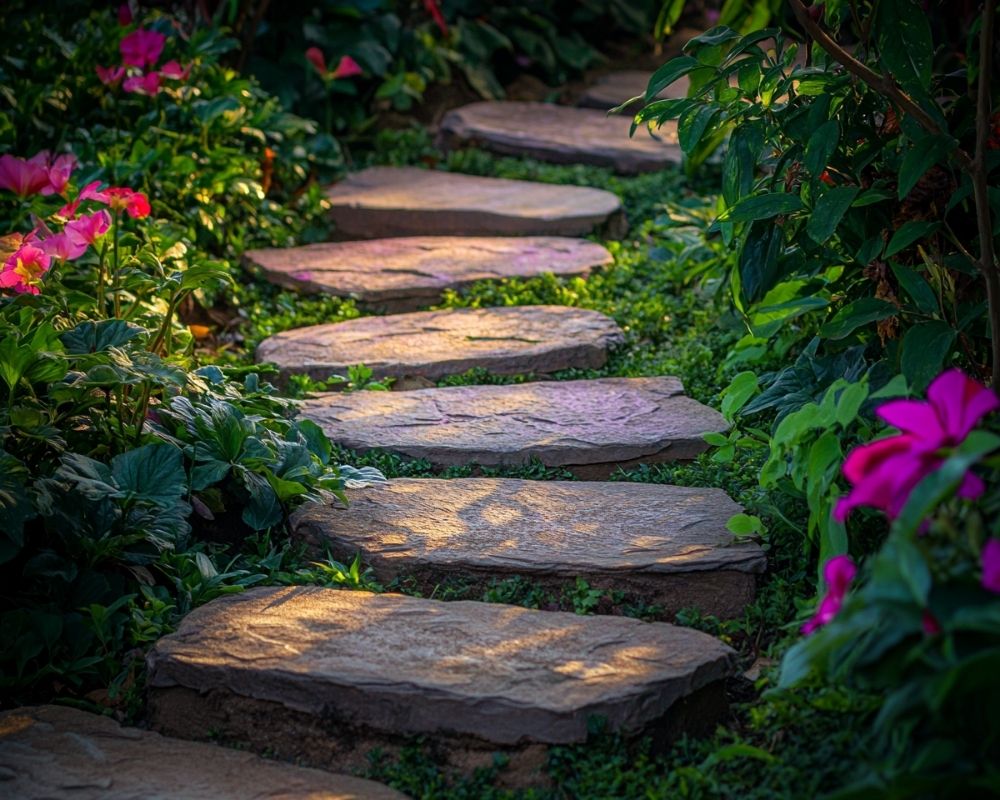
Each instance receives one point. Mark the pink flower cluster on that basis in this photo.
(885, 472)
(27, 257)
(838, 573)
(140, 50)
(347, 67)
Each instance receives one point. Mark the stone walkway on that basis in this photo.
(560, 134)
(615, 88)
(407, 273)
(434, 344)
(322, 677)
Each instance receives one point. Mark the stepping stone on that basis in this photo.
(432, 344)
(322, 676)
(60, 753)
(590, 426)
(406, 201)
(409, 272)
(613, 89)
(560, 134)
(666, 544)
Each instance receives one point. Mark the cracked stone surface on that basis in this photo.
(403, 274)
(502, 674)
(407, 201)
(615, 88)
(668, 544)
(560, 134)
(589, 425)
(432, 344)
(60, 753)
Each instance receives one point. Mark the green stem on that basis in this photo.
(116, 275)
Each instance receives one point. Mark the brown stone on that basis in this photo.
(590, 426)
(667, 545)
(322, 675)
(560, 134)
(614, 88)
(406, 201)
(59, 753)
(403, 274)
(432, 344)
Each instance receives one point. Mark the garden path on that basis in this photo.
(323, 676)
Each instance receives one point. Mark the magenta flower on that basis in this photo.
(110, 76)
(23, 271)
(838, 573)
(174, 71)
(347, 67)
(24, 177)
(124, 15)
(142, 47)
(148, 84)
(885, 472)
(123, 199)
(62, 167)
(991, 566)
(88, 192)
(77, 236)
(930, 623)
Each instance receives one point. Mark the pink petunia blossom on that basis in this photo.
(23, 271)
(88, 192)
(142, 47)
(24, 177)
(123, 199)
(124, 15)
(315, 57)
(347, 67)
(991, 566)
(838, 573)
(148, 84)
(110, 76)
(60, 170)
(174, 71)
(885, 472)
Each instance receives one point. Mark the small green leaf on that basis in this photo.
(909, 233)
(829, 211)
(745, 525)
(854, 315)
(925, 348)
(820, 148)
(762, 206)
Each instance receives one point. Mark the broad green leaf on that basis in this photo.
(740, 389)
(920, 158)
(914, 284)
(829, 211)
(906, 47)
(669, 73)
(925, 348)
(744, 525)
(907, 234)
(762, 206)
(854, 315)
(153, 472)
(96, 337)
(821, 147)
(693, 124)
(758, 264)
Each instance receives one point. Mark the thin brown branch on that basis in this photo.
(881, 83)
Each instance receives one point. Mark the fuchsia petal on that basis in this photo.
(862, 461)
(142, 47)
(346, 68)
(838, 573)
(960, 403)
(972, 486)
(315, 57)
(914, 417)
(991, 566)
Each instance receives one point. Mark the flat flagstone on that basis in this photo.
(590, 426)
(403, 274)
(668, 545)
(560, 134)
(613, 89)
(324, 675)
(60, 753)
(407, 201)
(432, 344)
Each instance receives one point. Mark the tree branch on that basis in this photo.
(881, 83)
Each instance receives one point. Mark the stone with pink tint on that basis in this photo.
(615, 88)
(407, 201)
(666, 546)
(588, 426)
(403, 274)
(560, 134)
(323, 676)
(433, 344)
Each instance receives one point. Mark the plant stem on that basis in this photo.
(116, 275)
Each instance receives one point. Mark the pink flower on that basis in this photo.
(174, 71)
(930, 623)
(991, 566)
(838, 573)
(347, 67)
(123, 199)
(110, 76)
(24, 177)
(124, 15)
(142, 47)
(148, 84)
(885, 472)
(77, 236)
(434, 10)
(88, 192)
(62, 167)
(23, 271)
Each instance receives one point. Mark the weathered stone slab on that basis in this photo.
(322, 675)
(59, 753)
(560, 134)
(613, 89)
(589, 426)
(432, 344)
(666, 544)
(406, 201)
(406, 273)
